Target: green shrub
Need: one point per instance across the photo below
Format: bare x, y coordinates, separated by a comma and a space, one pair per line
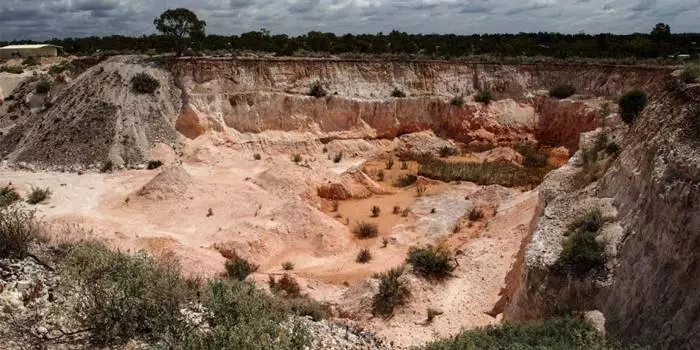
257, 156
107, 166
397, 93
144, 83
562, 333
364, 230
404, 165
296, 158
690, 73
8, 195
154, 164
30, 61
286, 286
457, 101
43, 86
476, 214
364, 256
59, 68
288, 266
375, 211
612, 148
123, 296
12, 69
243, 317
305, 306
19, 228
393, 291
38, 195
239, 268
390, 164
405, 180
338, 157
316, 89
483, 96
581, 252
447, 151
562, 91
431, 262
632, 104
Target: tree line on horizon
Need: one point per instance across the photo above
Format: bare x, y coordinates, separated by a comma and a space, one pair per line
180, 29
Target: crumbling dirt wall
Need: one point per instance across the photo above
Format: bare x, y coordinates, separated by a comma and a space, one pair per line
650, 295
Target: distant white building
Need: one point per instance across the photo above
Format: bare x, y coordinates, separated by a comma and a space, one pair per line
36, 50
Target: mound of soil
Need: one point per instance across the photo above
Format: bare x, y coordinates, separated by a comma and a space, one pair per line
170, 183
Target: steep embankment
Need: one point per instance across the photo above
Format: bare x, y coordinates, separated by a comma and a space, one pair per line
96, 116
650, 198
258, 95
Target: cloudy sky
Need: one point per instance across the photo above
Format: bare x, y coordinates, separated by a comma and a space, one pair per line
42, 19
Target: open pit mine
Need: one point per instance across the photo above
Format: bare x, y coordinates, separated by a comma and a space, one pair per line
330, 172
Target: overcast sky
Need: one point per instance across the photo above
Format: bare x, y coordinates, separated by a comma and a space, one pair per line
42, 19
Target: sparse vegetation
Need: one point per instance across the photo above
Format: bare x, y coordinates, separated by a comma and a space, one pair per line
555, 333
632, 104
390, 164
316, 90
296, 158
144, 83
431, 313
393, 292
483, 96
375, 211
60, 67
612, 149
122, 295
406, 212
476, 214
154, 164
447, 151
8, 195
338, 157
582, 253
420, 190
457, 101
38, 195
30, 61
239, 268
398, 93
404, 165
562, 91
286, 285
257, 156
19, 228
385, 242
43, 86
498, 173
405, 180
431, 261
12, 69
380, 175
364, 256
366, 230
534, 158
334, 206
397, 210
288, 266
690, 73
107, 166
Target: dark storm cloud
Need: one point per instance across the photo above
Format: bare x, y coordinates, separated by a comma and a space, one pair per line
41, 19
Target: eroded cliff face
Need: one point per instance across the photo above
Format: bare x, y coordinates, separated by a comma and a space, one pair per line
257, 95
650, 198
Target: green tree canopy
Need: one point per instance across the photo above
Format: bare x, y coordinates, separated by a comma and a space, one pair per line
180, 24
661, 31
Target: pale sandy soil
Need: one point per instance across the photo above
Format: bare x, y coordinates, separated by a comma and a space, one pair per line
267, 211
